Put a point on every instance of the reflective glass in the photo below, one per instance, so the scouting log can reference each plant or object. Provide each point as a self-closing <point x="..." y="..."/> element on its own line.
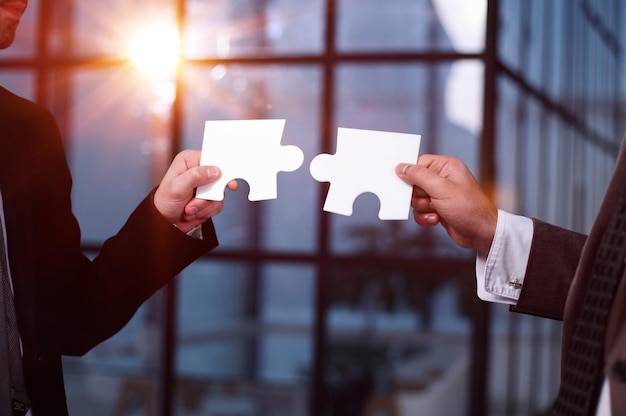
<point x="364" y="25"/>
<point x="287" y="299"/>
<point x="398" y="343"/>
<point x="110" y="28"/>
<point x="254" y="92"/>
<point x="212" y="319"/>
<point x="232" y="357"/>
<point x="230" y="28"/>
<point x="21" y="83"/>
<point x="112" y="126"/>
<point x="398" y="332"/>
<point x="404" y="99"/>
<point x="120" y="374"/>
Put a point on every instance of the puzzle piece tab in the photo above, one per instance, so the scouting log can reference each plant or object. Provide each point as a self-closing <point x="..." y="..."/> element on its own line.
<point x="365" y="161"/>
<point x="248" y="150"/>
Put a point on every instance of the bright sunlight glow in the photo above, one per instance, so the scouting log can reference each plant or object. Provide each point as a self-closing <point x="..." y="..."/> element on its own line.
<point x="155" y="51"/>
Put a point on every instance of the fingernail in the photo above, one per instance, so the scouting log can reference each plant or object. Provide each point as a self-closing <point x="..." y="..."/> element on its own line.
<point x="405" y="168"/>
<point x="212" y="172"/>
<point x="431" y="218"/>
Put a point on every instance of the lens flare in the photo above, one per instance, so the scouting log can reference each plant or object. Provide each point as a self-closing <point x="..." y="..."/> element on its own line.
<point x="155" y="51"/>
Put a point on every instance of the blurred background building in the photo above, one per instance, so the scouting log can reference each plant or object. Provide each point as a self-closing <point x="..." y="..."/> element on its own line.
<point x="301" y="312"/>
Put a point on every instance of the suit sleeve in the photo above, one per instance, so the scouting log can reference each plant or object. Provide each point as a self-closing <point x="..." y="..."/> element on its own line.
<point x="554" y="256"/>
<point x="80" y="302"/>
<point x="145" y="255"/>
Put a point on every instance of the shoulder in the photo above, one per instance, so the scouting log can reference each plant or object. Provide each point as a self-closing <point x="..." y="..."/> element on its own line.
<point x="19" y="113"/>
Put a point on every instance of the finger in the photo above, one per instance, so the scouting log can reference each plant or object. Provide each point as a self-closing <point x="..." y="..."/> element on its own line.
<point x="182" y="162"/>
<point x="419" y="192"/>
<point x="423" y="205"/>
<point x="185" y="183"/>
<point x="426" y="219"/>
<point x="426" y="160"/>
<point x="233" y="185"/>
<point x="420" y="177"/>
<point x="196" y="206"/>
<point x="202" y="211"/>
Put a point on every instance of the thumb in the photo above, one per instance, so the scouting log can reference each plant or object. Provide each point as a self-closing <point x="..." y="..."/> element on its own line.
<point x="201" y="175"/>
<point x="421" y="177"/>
<point x="181" y="186"/>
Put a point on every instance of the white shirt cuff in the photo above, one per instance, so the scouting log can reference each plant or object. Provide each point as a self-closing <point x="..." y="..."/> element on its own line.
<point x="196" y="232"/>
<point x="500" y="274"/>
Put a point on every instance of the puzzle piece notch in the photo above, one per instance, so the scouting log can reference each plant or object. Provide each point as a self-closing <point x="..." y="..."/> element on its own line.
<point x="249" y="150"/>
<point x="365" y="161"/>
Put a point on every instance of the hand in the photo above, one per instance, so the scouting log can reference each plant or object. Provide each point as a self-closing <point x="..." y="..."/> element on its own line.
<point x="175" y="197"/>
<point x="446" y="192"/>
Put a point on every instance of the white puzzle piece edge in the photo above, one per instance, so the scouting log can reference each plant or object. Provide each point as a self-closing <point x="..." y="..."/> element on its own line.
<point x="248" y="150"/>
<point x="365" y="161"/>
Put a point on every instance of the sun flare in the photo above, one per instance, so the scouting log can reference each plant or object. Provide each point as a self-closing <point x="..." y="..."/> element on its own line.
<point x="155" y="51"/>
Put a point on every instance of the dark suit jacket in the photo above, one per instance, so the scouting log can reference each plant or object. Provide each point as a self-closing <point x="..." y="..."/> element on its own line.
<point x="66" y="304"/>
<point x="558" y="271"/>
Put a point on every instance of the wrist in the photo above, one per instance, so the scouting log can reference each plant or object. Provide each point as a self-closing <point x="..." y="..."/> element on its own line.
<point x="487" y="232"/>
<point x="188" y="227"/>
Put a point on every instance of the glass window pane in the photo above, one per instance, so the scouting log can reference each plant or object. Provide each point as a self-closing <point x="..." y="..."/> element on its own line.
<point x="252" y="92"/>
<point x="21" y="83"/>
<point x="119" y="374"/>
<point x="211" y="319"/>
<point x="398" y="339"/>
<point x="399" y="306"/>
<point x="111" y="126"/>
<point x="287" y="310"/>
<point x="108" y="28"/>
<point x="230" y="28"/>
<point x="510" y="32"/>
<point x="237" y="357"/>
<point x="404" y="99"/>
<point x="427" y="25"/>
<point x="375" y="97"/>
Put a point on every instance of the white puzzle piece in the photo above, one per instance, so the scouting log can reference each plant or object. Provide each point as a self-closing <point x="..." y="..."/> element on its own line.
<point x="365" y="161"/>
<point x="248" y="150"/>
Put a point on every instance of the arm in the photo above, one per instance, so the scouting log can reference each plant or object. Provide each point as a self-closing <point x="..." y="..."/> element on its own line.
<point x="446" y="192"/>
<point x="540" y="257"/>
<point x="65" y="300"/>
<point x="554" y="256"/>
<point x="500" y="273"/>
<point x="89" y="301"/>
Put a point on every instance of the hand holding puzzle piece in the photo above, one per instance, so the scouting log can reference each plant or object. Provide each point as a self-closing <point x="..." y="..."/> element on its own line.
<point x="248" y="150"/>
<point x="365" y="161"/>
